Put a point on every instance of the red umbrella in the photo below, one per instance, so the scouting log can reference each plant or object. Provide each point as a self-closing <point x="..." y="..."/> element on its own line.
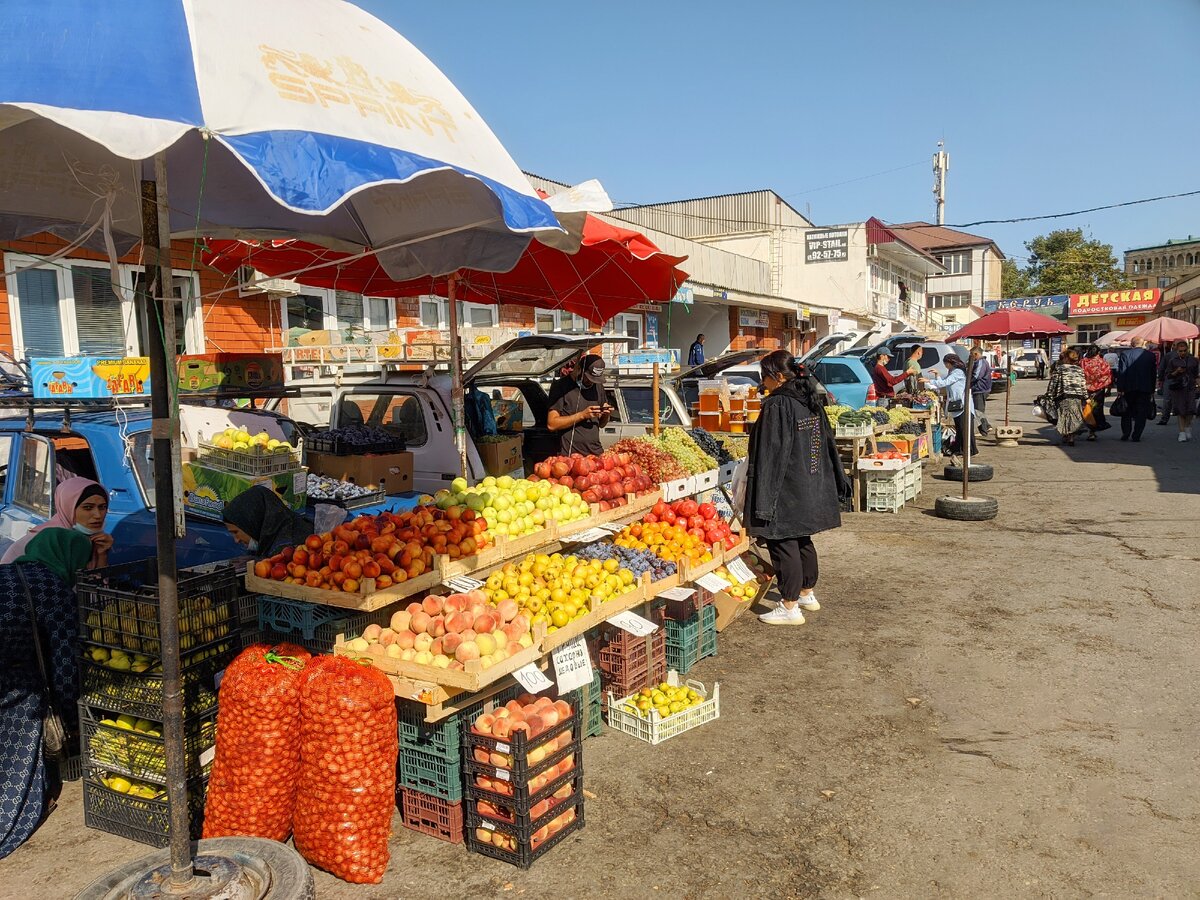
<point x="614" y="269"/>
<point x="1159" y="331"/>
<point x="1010" y="323"/>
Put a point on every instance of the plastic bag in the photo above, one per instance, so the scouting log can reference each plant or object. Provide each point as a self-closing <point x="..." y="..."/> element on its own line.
<point x="252" y="788"/>
<point x="349" y="743"/>
<point x="737" y="487"/>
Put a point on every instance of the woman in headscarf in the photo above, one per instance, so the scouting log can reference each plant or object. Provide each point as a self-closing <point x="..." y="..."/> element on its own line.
<point x="263" y="524"/>
<point x="37" y="604"/>
<point x="794" y="482"/>
<point x="80" y="504"/>
<point x="1068" y="389"/>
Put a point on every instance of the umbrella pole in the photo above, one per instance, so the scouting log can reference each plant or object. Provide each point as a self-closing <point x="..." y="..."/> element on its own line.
<point x="457" y="412"/>
<point x="156" y="247"/>
<point x="969" y="421"/>
<point x="1008" y="375"/>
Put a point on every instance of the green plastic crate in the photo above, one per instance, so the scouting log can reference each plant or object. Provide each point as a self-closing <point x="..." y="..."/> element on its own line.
<point x="431" y="773"/>
<point x="691" y="641"/>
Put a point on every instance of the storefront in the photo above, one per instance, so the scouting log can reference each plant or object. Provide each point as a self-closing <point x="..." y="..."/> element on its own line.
<point x="1094" y="315"/>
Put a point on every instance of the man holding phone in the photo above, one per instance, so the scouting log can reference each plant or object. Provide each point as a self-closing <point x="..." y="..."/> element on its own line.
<point x="578" y="408"/>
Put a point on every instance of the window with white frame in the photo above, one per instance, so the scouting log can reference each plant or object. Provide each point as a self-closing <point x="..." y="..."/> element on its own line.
<point x="1090" y="333"/>
<point x="949" y="301"/>
<point x="71" y="308"/>
<point x="957" y="263"/>
<point x="435" y="313"/>
<point x="353" y="316"/>
<point x="559" y="320"/>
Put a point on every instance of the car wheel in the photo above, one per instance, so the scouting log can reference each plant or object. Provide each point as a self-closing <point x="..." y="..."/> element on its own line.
<point x="973" y="509"/>
<point x="978" y="472"/>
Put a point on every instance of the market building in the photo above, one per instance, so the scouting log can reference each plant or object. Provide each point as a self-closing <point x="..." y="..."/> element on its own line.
<point x="971" y="272"/>
<point x="1162" y="265"/>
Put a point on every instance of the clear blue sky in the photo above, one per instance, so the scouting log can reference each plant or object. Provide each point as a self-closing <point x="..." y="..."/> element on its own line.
<point x="1045" y="106"/>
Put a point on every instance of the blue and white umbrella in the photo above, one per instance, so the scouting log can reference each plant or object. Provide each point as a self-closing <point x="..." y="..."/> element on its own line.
<point x="309" y="119"/>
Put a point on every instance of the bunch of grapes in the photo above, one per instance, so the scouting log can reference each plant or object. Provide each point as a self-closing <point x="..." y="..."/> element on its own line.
<point x="880" y="415"/>
<point x="914" y="428"/>
<point x="658" y="464"/>
<point x="834" y="412"/>
<point x="736" y="445"/>
<point x="639" y="562"/>
<point x="710" y="445"/>
<point x="899" y="415"/>
<point x="680" y="445"/>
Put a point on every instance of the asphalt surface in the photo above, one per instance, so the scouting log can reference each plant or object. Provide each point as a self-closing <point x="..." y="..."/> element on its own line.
<point x="1001" y="709"/>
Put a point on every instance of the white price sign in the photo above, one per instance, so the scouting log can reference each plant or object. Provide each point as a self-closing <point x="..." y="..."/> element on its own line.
<point x="740" y="571"/>
<point x="532" y="678"/>
<point x="633" y="623"/>
<point x="462" y="584"/>
<point x="679" y="593"/>
<point x="713" y="582"/>
<point x="208" y="756"/>
<point x="572" y="665"/>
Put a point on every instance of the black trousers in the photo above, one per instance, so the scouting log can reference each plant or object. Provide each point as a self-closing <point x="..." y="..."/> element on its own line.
<point x="1133" y="422"/>
<point x="795" y="562"/>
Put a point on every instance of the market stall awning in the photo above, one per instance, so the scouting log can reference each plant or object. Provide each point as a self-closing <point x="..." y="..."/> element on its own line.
<point x="614" y="269"/>
<point x="1011" y="323"/>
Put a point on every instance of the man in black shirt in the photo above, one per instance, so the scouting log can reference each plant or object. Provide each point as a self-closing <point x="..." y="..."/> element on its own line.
<point x="578" y="408"/>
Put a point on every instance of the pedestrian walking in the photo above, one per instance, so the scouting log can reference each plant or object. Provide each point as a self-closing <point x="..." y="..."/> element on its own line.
<point x="1182" y="374"/>
<point x="1067" y="390"/>
<point x="1166" y="359"/>
<point x="981" y="386"/>
<point x="1098" y="375"/>
<point x="1136" y="378"/>
<point x="958" y="401"/>
<point x="696" y="351"/>
<point x="39" y="671"/>
<point x="794" y="482"/>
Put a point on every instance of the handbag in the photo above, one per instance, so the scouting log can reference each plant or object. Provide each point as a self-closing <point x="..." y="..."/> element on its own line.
<point x="955" y="407"/>
<point x="54" y="732"/>
<point x="1044" y="409"/>
<point x="1119" y="406"/>
<point x="1089" y="411"/>
<point x="737" y="486"/>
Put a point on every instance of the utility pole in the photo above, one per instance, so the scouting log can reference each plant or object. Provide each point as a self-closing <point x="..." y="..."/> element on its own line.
<point x="941" y="165"/>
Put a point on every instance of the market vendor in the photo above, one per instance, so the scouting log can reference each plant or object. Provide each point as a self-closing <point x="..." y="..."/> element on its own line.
<point x="263" y="523"/>
<point x="885" y="381"/>
<point x="578" y="408"/>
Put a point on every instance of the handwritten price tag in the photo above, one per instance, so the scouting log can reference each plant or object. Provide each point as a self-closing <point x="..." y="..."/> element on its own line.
<point x="208" y="756"/>
<point x="713" y="582"/>
<point x="633" y="623"/>
<point x="462" y="584"/>
<point x="678" y="593"/>
<point x="740" y="571"/>
<point x="572" y="665"/>
<point x="532" y="678"/>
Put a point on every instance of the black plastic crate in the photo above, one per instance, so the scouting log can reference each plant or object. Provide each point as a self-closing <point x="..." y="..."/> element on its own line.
<point x="118" y="607"/>
<point x="316" y="627"/>
<point x="324" y="442"/>
<point x="519" y="746"/>
<point x="138" y="754"/>
<point x="525" y="854"/>
<point x="141" y="694"/>
<point x="521" y="784"/>
<point x="138" y="819"/>
<point x="520" y="803"/>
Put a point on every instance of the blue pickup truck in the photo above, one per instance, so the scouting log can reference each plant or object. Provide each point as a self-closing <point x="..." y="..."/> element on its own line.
<point x="111" y="447"/>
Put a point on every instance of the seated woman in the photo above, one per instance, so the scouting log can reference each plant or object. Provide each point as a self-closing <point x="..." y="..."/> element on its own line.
<point x="80" y="504"/>
<point x="263" y="524"/>
<point x="39" y="646"/>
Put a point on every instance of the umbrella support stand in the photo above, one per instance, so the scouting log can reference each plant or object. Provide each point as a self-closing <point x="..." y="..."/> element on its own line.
<point x="1008" y="435"/>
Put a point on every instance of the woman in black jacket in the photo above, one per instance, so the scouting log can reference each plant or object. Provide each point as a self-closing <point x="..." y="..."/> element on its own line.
<point x="794" y="480"/>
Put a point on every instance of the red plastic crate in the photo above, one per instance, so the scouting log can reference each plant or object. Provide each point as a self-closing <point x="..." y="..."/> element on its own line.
<point x="431" y="815"/>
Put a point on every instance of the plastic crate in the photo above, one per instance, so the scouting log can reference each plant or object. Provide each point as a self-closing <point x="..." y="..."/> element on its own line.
<point x="314" y="626"/>
<point x="247" y="606"/>
<point x="854" y="431"/>
<point x="655" y="730"/>
<point x="71" y="769"/>
<point x="118" y="607"/>
<point x="624" y="659"/>
<point x="937" y="438"/>
<point x="691" y="641"/>
<point x="141" y="694"/>
<point x="255" y="463"/>
<point x="431" y="773"/>
<point x="140" y="755"/>
<point x="587" y="698"/>
<point x="136" y="818"/>
<point x="682" y="610"/>
<point x="370" y="498"/>
<point x="885" y="491"/>
<point x="528" y="848"/>
<point x="431" y="815"/>
<point x="518" y="749"/>
<point x="324" y="442"/>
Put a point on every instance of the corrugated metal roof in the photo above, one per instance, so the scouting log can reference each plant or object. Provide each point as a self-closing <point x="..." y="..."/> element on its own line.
<point x="720" y="215"/>
<point x="938" y="237"/>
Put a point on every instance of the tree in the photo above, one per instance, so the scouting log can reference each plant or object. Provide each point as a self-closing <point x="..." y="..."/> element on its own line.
<point x="1014" y="281"/>
<point x="1066" y="262"/>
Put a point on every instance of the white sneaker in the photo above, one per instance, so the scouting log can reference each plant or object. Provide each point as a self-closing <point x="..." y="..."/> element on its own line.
<point x="1183" y="437"/>
<point x="809" y="603"/>
<point x="781" y="615"/>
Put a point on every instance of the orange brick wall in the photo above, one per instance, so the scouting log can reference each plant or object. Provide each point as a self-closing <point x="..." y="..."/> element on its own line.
<point x="771" y="338"/>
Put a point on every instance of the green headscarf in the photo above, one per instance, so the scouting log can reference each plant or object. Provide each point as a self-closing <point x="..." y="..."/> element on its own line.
<point x="60" y="550"/>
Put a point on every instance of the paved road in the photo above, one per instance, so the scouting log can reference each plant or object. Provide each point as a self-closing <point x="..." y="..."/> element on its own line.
<point x="987" y="710"/>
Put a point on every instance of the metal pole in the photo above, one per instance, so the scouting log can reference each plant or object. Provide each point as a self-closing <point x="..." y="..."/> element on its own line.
<point x="654" y="399"/>
<point x="1009" y="385"/>
<point x="969" y="421"/>
<point x="156" y="247"/>
<point x="457" y="411"/>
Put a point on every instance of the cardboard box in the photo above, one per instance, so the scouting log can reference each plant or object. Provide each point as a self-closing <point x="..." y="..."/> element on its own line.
<point x="393" y="470"/>
<point x="501" y="457"/>
<point x="206" y="490"/>
<point x="212" y="372"/>
<point x="90" y="378"/>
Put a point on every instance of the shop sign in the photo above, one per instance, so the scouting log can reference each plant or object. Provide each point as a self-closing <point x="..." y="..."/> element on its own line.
<point x="683" y="295"/>
<point x="753" y="318"/>
<point x="1053" y="305"/>
<point x="827" y="245"/>
<point x="90" y="378"/>
<point x="651" y="330"/>
<point x="1130" y="321"/>
<point x="1104" y="303"/>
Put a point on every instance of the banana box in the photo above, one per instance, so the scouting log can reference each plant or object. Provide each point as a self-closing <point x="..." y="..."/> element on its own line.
<point x="207" y="490"/>
<point x="90" y="378"/>
<point x="212" y="372"/>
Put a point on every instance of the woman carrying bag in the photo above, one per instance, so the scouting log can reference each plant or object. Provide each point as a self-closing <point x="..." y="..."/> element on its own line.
<point x="1067" y="390"/>
<point x="958" y="400"/>
<point x="39" y="676"/>
<point x="1098" y="377"/>
<point x="794" y="482"/>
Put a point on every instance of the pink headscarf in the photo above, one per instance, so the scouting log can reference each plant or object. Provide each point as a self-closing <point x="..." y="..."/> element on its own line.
<point x="66" y="498"/>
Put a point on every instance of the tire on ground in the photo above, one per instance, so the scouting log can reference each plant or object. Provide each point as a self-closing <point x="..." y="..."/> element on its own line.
<point x="974" y="509"/>
<point x="979" y="472"/>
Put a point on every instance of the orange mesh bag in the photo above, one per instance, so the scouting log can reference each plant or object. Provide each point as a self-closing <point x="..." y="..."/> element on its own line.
<point x="252" y="788"/>
<point x="349" y="741"/>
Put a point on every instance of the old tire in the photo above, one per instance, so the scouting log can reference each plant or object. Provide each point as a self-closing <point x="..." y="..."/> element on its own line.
<point x="978" y="472"/>
<point x="271" y="863"/>
<point x="974" y="509"/>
